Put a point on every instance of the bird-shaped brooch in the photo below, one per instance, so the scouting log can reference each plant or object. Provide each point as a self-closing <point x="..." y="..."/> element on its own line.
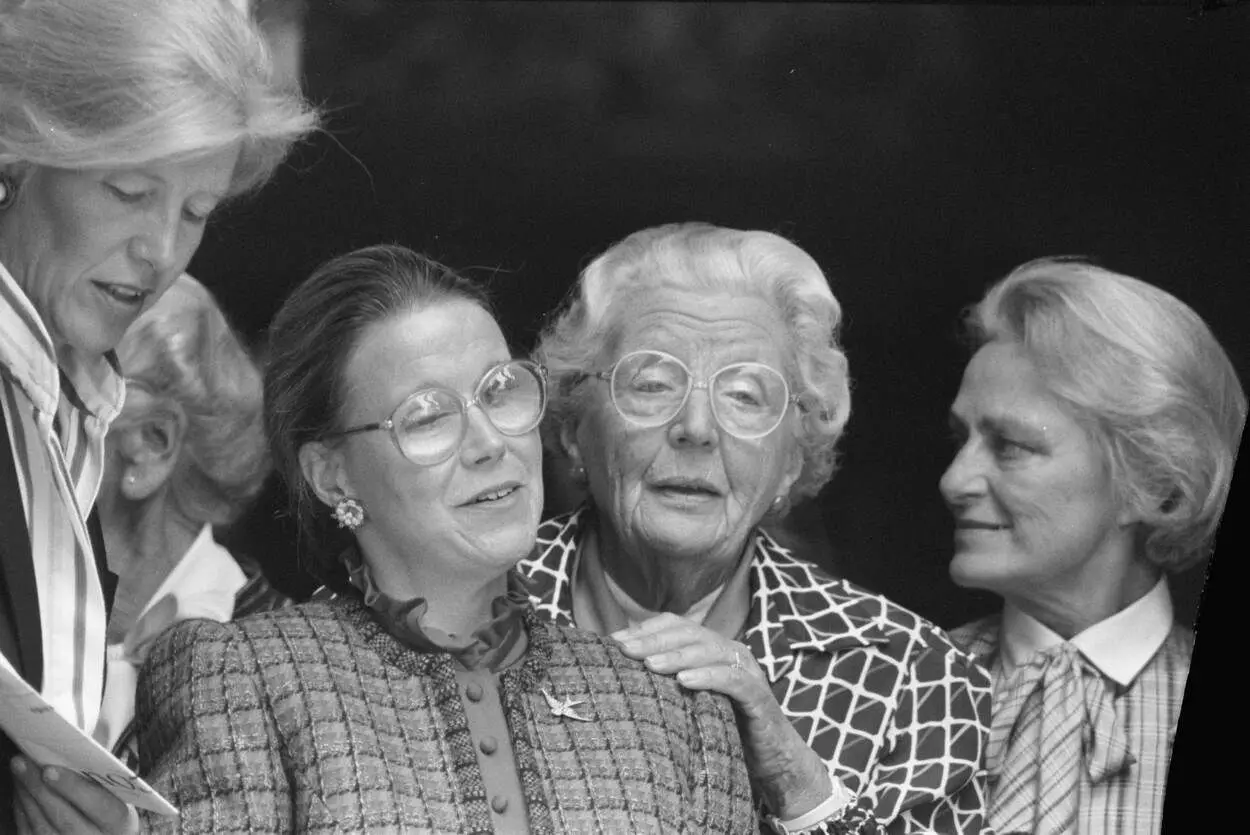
<point x="563" y="707"/>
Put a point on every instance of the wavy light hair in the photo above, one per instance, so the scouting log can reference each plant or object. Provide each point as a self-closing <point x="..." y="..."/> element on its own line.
<point x="126" y="83"/>
<point x="1146" y="377"/>
<point x="701" y="257"/>
<point x="185" y="354"/>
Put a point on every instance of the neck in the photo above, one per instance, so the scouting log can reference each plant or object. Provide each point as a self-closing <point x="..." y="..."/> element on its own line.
<point x="659" y="581"/>
<point x="149" y="538"/>
<point x="1070" y="611"/>
<point x="457" y="604"/>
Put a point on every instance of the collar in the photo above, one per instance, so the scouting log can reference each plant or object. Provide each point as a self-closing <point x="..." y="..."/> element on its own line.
<point x="1120" y="646"/>
<point x="794" y="605"/>
<point x="93" y="385"/>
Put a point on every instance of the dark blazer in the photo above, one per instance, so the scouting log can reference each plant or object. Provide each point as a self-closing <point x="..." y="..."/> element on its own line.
<point x="21" y="638"/>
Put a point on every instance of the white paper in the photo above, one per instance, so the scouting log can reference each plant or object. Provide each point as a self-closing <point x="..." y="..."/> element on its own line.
<point x="48" y="739"/>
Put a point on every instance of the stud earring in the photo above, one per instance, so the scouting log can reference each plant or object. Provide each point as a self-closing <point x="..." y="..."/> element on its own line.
<point x="8" y="190"/>
<point x="578" y="474"/>
<point x="349" y="513"/>
<point x="779" y="504"/>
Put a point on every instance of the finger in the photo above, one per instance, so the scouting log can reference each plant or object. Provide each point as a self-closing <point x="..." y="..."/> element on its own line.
<point x="700" y="654"/>
<point x="657" y="623"/>
<point x="751" y="693"/>
<point x="677" y="634"/>
<point x="83" y="802"/>
<point x="26" y="812"/>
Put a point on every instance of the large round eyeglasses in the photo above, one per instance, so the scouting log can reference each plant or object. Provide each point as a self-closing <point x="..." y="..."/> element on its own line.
<point x="650" y="388"/>
<point x="430" y="423"/>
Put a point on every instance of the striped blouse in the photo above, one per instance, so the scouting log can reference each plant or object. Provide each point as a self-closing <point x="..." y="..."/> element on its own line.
<point x="1144" y="656"/>
<point x="57" y="417"/>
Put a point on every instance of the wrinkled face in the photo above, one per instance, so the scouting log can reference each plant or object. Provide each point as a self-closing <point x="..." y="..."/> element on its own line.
<point x="93" y="248"/>
<point x="1035" y="509"/>
<point x="688" y="489"/>
<point x="436" y="514"/>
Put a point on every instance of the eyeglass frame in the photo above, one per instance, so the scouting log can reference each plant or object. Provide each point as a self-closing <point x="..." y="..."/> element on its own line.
<point x="695" y="384"/>
<point x="389" y="425"/>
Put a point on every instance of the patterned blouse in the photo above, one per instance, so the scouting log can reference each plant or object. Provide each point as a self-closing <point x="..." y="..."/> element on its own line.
<point x="1142" y="656"/>
<point x="314" y="719"/>
<point x="900" y="712"/>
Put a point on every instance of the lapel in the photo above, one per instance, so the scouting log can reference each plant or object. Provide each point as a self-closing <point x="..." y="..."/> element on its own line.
<point x="796" y="607"/>
<point x="21" y="638"/>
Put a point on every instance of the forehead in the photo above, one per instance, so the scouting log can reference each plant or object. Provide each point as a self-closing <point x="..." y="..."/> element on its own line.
<point x="722" y="324"/>
<point x="1002" y="381"/>
<point x="446" y="344"/>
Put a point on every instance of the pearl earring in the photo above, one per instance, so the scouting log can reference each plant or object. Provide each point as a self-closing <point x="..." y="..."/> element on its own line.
<point x="349" y="513"/>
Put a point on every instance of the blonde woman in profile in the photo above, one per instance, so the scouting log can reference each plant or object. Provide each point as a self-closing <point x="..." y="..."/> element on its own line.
<point x="1099" y="422"/>
<point x="186" y="455"/>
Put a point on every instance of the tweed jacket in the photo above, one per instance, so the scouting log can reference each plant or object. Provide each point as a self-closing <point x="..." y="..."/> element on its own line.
<point x="314" y="719"/>
<point x="900" y="712"/>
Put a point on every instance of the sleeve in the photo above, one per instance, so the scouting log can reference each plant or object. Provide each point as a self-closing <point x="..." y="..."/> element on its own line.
<point x="721" y="796"/>
<point x="932" y="779"/>
<point x="208" y="740"/>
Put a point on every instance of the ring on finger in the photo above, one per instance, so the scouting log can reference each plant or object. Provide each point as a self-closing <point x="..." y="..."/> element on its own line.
<point x="737" y="666"/>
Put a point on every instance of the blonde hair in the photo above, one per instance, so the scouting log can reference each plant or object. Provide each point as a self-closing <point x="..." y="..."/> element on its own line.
<point x="123" y="83"/>
<point x="1146" y="376"/>
<point x="184" y="352"/>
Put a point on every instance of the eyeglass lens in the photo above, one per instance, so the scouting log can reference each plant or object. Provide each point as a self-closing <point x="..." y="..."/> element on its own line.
<point x="748" y="399"/>
<point x="430" y="423"/>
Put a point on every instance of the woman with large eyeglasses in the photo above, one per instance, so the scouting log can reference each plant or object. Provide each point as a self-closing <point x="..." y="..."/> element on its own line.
<point x="698" y="390"/>
<point x="425" y="695"/>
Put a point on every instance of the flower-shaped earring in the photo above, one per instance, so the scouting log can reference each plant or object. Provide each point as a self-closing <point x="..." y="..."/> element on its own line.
<point x="349" y="513"/>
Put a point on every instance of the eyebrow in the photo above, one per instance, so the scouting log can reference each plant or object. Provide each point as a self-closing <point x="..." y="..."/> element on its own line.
<point x="998" y="423"/>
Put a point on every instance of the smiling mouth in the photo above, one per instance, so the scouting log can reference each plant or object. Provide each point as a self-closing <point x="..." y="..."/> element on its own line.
<point x="492" y="495"/>
<point x="122" y="293"/>
<point x="966" y="525"/>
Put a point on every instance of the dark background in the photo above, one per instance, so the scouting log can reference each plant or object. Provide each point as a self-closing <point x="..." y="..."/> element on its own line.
<point x="918" y="153"/>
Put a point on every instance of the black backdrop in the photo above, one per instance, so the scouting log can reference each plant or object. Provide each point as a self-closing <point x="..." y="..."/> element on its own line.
<point x="917" y="153"/>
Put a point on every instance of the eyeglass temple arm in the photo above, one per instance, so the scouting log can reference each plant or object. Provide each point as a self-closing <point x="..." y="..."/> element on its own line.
<point x="364" y="427"/>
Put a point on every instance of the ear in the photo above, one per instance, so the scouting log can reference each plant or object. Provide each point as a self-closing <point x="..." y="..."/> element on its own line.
<point x="568" y="442"/>
<point x="322" y="466"/>
<point x="149" y="450"/>
<point x="794" y="469"/>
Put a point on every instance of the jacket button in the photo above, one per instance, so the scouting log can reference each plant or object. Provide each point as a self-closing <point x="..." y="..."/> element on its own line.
<point x="499" y="803"/>
<point x="474" y="692"/>
<point x="489" y="745"/>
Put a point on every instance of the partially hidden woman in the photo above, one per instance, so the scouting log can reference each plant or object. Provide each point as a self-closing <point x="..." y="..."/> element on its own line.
<point x="1099" y="421"/>
<point x="187" y="455"/>
<point x="124" y="125"/>
<point x="699" y="389"/>
<point x="425" y="695"/>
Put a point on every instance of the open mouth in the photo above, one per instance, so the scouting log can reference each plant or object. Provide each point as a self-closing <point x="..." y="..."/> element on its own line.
<point x="494" y="495"/>
<point x="124" y="294"/>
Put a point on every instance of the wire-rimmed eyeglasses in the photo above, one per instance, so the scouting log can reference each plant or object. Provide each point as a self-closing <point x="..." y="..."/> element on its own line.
<point x="428" y="426"/>
<point x="650" y="388"/>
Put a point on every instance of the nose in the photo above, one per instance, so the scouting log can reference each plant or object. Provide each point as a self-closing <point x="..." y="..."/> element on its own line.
<point x="157" y="245"/>
<point x="695" y="425"/>
<point x="964" y="477"/>
<point x="483" y="443"/>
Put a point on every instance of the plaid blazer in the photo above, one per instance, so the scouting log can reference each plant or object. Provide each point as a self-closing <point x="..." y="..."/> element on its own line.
<point x="885" y="696"/>
<point x="314" y="719"/>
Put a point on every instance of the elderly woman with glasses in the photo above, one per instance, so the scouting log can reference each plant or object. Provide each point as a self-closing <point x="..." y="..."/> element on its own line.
<point x="1099" y="420"/>
<point x="698" y="390"/>
<point x="425" y="695"/>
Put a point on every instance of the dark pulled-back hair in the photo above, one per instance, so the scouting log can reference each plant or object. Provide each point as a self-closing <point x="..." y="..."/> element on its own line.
<point x="312" y="339"/>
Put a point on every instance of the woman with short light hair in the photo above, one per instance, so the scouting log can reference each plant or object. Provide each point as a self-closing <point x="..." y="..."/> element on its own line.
<point x="1099" y="421"/>
<point x="699" y="390"/>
